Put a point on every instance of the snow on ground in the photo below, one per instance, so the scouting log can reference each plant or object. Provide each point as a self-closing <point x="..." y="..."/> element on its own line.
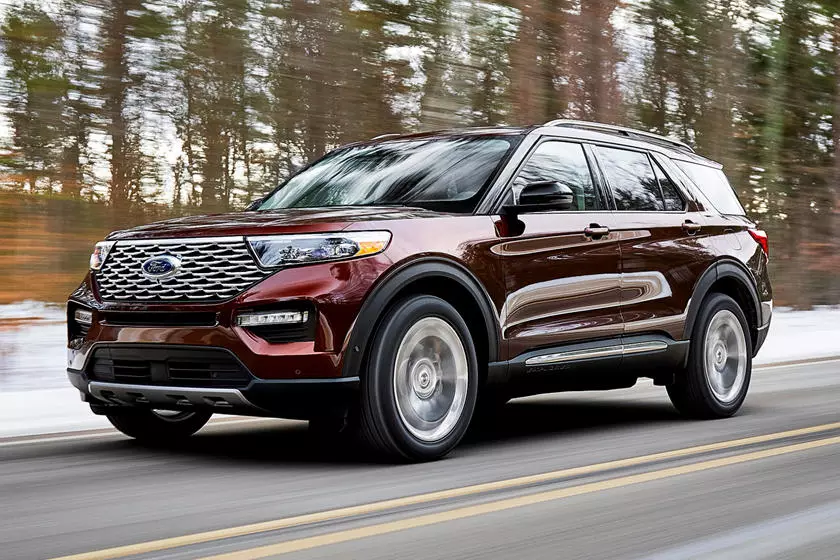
<point x="36" y="398"/>
<point x="799" y="335"/>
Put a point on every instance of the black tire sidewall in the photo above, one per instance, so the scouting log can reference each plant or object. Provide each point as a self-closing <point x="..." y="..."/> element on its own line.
<point x="714" y="304"/>
<point x="378" y="381"/>
<point x="147" y="426"/>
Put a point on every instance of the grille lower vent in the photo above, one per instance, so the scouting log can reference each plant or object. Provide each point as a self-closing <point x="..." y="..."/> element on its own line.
<point x="173" y="367"/>
<point x="211" y="270"/>
<point x="276" y="334"/>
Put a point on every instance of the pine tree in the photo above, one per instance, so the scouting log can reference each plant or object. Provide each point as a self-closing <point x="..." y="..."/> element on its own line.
<point x="33" y="45"/>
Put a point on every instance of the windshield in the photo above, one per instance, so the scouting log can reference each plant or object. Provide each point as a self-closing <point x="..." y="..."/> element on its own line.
<point x="446" y="174"/>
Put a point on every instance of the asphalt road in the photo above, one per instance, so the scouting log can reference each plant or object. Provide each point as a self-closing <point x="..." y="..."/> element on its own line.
<point x="606" y="475"/>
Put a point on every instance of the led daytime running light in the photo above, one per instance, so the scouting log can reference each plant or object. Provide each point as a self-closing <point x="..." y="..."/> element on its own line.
<point x="83" y="316"/>
<point x="272" y="318"/>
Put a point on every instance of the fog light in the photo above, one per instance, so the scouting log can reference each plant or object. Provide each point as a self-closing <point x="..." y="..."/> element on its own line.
<point x="83" y="316"/>
<point x="272" y="318"/>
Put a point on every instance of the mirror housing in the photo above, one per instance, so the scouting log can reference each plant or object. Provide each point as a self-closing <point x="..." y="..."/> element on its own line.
<point x="254" y="204"/>
<point x="541" y="196"/>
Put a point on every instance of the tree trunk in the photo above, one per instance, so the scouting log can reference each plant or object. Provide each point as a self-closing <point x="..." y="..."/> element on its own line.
<point x="115" y="90"/>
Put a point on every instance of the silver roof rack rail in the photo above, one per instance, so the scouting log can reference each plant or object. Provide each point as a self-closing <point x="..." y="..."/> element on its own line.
<point x="623" y="131"/>
<point x="382" y="136"/>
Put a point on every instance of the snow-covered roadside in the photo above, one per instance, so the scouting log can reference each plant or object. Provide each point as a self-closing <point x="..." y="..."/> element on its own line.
<point x="801" y="335"/>
<point x="35" y="397"/>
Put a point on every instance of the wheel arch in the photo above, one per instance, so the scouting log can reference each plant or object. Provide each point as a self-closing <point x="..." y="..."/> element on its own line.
<point x="733" y="279"/>
<point x="437" y="276"/>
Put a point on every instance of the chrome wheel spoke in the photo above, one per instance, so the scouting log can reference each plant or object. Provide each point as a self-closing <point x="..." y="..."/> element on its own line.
<point x="725" y="356"/>
<point x="430" y="379"/>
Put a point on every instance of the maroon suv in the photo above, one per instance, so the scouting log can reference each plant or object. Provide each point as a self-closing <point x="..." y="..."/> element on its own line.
<point x="394" y="287"/>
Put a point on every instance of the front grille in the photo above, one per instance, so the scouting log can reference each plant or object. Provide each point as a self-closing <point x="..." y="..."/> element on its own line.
<point x="212" y="269"/>
<point x="168" y="366"/>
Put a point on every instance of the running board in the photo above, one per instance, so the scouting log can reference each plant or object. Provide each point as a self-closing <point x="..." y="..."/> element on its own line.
<point x="612" y="351"/>
<point x="600" y="364"/>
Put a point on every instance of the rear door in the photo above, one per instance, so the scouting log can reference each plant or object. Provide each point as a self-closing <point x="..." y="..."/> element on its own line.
<point x="663" y="245"/>
<point x="562" y="268"/>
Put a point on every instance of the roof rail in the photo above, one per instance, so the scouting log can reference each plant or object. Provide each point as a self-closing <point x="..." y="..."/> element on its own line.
<point x="389" y="135"/>
<point x="623" y="131"/>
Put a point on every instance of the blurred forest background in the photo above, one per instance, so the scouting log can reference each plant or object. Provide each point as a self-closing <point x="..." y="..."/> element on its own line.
<point x="117" y="112"/>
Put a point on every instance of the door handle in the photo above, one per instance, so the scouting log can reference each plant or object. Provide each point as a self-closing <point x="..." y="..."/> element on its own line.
<point x="691" y="227"/>
<point x="595" y="230"/>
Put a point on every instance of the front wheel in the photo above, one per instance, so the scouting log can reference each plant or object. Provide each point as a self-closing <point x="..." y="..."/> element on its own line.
<point x="715" y="383"/>
<point x="159" y="426"/>
<point x="420" y="384"/>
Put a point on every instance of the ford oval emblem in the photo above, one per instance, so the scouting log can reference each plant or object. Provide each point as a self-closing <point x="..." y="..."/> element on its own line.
<point x="161" y="267"/>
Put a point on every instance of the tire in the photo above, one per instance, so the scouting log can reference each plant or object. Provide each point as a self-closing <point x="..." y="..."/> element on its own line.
<point x="150" y="426"/>
<point x="420" y="382"/>
<point x="717" y="377"/>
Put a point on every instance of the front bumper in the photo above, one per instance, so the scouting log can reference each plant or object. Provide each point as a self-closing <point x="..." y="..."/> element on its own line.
<point x="295" y="398"/>
<point x="333" y="292"/>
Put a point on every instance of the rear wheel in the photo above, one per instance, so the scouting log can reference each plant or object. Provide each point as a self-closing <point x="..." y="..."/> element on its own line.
<point x="420" y="384"/>
<point x="159" y="426"/>
<point x="715" y="383"/>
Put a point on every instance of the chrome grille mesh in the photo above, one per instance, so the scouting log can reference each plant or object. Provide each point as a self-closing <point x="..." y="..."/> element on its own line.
<point x="212" y="269"/>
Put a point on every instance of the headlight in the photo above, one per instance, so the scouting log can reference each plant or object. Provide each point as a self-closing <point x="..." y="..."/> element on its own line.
<point x="279" y="250"/>
<point x="100" y="253"/>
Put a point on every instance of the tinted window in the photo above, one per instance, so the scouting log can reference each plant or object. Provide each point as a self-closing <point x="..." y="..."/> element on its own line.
<point x="715" y="186"/>
<point x="565" y="163"/>
<point x="444" y="173"/>
<point x="631" y="179"/>
<point x="673" y="200"/>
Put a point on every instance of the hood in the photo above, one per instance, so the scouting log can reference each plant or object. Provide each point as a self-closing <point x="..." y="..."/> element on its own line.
<point x="292" y="220"/>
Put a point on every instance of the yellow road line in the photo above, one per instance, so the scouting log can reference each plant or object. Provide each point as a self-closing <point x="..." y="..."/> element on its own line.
<point x="298" y="545"/>
<point x="418" y="499"/>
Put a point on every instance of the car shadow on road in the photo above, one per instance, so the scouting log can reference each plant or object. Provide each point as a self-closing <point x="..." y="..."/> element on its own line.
<point x="549" y="419"/>
<point x="553" y="416"/>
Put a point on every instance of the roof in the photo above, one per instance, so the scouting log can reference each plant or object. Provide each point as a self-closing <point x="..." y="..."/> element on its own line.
<point x="673" y="148"/>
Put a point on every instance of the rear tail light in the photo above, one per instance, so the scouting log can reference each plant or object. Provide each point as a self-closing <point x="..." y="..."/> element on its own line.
<point x="760" y="237"/>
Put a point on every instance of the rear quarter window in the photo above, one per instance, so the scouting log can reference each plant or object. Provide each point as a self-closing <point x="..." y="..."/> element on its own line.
<point x="715" y="186"/>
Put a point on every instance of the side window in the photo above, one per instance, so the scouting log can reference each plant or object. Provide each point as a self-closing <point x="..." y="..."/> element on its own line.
<point x="673" y="200"/>
<point x="714" y="186"/>
<point x="632" y="180"/>
<point x="565" y="163"/>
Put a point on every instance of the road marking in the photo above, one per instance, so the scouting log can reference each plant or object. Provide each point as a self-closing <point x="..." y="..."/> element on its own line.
<point x="796" y="363"/>
<point x="337" y="537"/>
<point x="108" y="432"/>
<point x="418" y="499"/>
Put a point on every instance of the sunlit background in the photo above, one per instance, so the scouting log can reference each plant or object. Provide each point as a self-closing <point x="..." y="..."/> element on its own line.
<point x="125" y="111"/>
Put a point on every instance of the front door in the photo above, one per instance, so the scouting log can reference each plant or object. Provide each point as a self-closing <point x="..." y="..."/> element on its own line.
<point x="562" y="270"/>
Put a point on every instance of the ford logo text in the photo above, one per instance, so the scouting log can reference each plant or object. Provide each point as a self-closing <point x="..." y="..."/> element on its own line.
<point x="161" y="267"/>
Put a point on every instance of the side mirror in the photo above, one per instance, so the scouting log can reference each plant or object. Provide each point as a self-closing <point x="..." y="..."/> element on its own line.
<point x="254" y="204"/>
<point x="543" y="195"/>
